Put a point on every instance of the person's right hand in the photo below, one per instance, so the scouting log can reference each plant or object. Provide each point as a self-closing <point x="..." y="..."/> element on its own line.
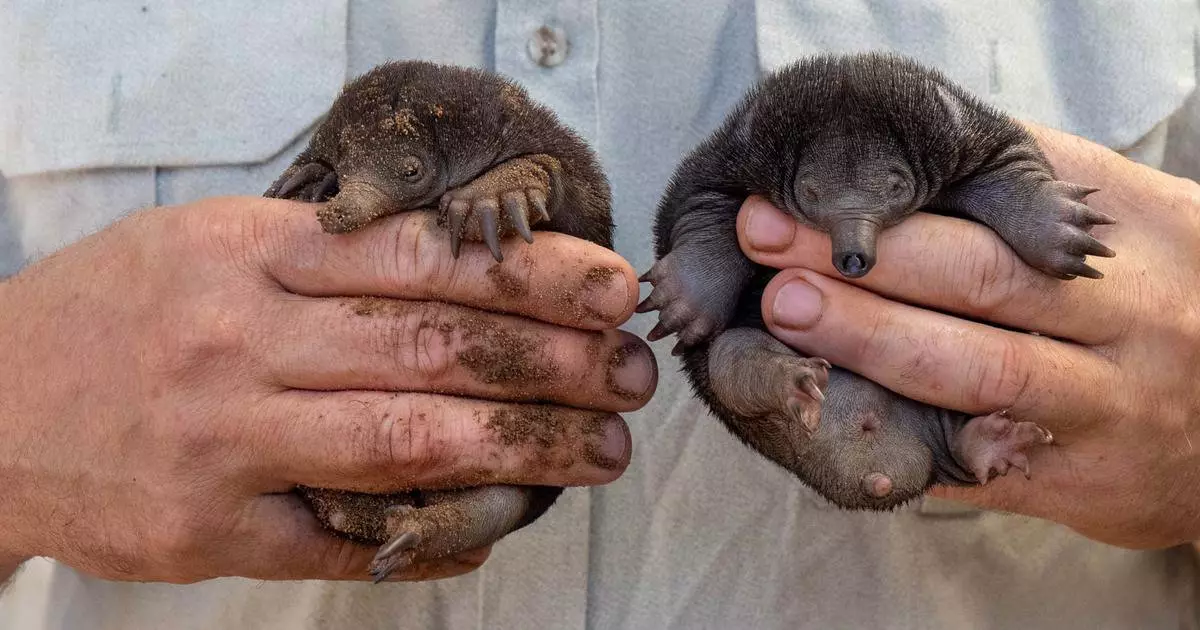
<point x="166" y="382"/>
<point x="1113" y="373"/>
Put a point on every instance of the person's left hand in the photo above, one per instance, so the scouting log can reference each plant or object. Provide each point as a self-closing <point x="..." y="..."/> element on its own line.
<point x="1114" y="375"/>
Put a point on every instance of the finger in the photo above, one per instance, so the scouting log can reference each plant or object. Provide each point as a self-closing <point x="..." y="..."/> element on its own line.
<point x="279" y="538"/>
<point x="384" y="344"/>
<point x="380" y="442"/>
<point x="939" y="359"/>
<point x="956" y="266"/>
<point x="557" y="278"/>
<point x="1057" y="476"/>
<point x="1061" y="476"/>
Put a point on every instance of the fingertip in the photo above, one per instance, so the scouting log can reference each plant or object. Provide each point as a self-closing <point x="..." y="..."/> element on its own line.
<point x="581" y="284"/>
<point x="626" y="291"/>
<point x="777" y="282"/>
<point x="793" y="300"/>
<point x="631" y="372"/>
<point x="599" y="458"/>
<point x="596" y="451"/>
<point x="617" y="450"/>
<point x="771" y="237"/>
<point x="763" y="229"/>
<point x="825" y="317"/>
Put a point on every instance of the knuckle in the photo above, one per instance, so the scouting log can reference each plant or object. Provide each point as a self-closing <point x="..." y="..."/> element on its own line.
<point x="989" y="275"/>
<point x="1187" y="318"/>
<point x="430" y="335"/>
<point x="553" y="362"/>
<point x="430" y="355"/>
<point x="918" y="369"/>
<point x="212" y="331"/>
<point x="878" y="342"/>
<point x="416" y="256"/>
<point x="372" y="440"/>
<point x="229" y="230"/>
<point x="414" y="440"/>
<point x="997" y="373"/>
<point x="417" y="342"/>
<point x="194" y="336"/>
<point x="280" y="240"/>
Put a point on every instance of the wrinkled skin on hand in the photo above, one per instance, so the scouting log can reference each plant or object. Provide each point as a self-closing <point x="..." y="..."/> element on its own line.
<point x="400" y="138"/>
<point x="852" y="145"/>
<point x="1112" y="372"/>
<point x="167" y="381"/>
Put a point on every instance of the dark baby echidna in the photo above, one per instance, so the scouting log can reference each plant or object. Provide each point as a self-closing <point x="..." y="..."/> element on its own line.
<point x="472" y="146"/>
<point x="850" y="145"/>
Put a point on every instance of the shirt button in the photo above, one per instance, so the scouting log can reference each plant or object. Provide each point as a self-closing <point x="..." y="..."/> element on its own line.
<point x="548" y="46"/>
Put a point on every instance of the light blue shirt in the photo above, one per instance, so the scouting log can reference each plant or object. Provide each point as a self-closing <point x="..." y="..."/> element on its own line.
<point x="110" y="106"/>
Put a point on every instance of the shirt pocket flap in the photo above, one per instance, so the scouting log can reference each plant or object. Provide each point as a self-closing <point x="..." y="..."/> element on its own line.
<point x="1106" y="71"/>
<point x="164" y="84"/>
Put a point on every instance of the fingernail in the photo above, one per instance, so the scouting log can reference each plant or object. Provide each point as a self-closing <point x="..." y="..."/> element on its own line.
<point x="608" y="293"/>
<point x="797" y="305"/>
<point x="611" y="451"/>
<point x="632" y="370"/>
<point x="616" y="443"/>
<point x="768" y="229"/>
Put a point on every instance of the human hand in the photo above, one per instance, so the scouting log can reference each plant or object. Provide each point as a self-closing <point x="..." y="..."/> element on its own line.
<point x="1113" y="374"/>
<point x="166" y="382"/>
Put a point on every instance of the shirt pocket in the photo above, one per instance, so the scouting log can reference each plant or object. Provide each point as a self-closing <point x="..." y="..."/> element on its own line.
<point x="128" y="84"/>
<point x="1109" y="72"/>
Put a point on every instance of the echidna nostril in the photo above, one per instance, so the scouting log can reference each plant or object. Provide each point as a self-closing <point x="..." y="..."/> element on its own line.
<point x="852" y="265"/>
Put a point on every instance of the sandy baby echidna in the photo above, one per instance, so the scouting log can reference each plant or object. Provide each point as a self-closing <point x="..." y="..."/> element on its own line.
<point x="471" y="145"/>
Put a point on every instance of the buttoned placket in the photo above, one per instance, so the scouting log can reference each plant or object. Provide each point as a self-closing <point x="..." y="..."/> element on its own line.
<point x="552" y="49"/>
